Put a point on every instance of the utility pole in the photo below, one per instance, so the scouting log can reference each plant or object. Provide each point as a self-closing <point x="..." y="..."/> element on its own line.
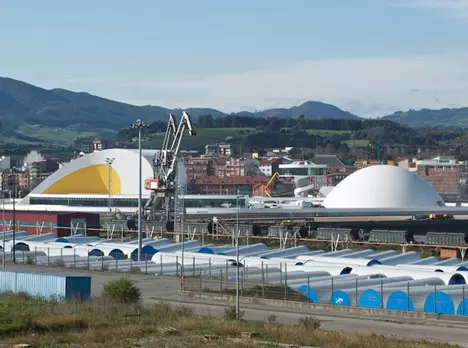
<point x="181" y="226"/>
<point x="3" y="229"/>
<point x="237" y="260"/>
<point x="109" y="162"/>
<point x="14" y="217"/>
<point x="139" y="125"/>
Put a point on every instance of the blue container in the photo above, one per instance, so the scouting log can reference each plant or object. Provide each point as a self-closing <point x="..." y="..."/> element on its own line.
<point x="370" y="298"/>
<point x="400" y="301"/>
<point x="147" y="253"/>
<point x="463" y="307"/>
<point x="46" y="285"/>
<point x="439" y="302"/>
<point x="340" y="298"/>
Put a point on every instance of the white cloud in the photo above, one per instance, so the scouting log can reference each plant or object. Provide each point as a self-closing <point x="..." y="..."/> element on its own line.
<point x="366" y="86"/>
<point x="456" y="8"/>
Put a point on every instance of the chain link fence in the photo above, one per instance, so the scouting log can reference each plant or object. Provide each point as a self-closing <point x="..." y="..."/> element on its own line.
<point x="212" y="276"/>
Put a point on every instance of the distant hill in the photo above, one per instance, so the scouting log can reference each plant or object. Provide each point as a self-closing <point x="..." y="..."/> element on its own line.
<point x="310" y="109"/>
<point x="424" y="118"/>
<point x="23" y="105"/>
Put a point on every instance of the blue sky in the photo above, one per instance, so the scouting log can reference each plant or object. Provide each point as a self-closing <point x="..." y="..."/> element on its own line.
<point x="370" y="57"/>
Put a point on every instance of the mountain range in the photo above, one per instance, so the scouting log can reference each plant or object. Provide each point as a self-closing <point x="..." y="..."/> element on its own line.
<point x="426" y="118"/>
<point x="23" y="104"/>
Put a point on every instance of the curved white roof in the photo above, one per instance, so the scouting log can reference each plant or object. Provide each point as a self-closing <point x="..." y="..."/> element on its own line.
<point x="89" y="174"/>
<point x="383" y="186"/>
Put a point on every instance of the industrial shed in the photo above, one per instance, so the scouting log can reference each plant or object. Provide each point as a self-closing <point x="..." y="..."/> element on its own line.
<point x="62" y="224"/>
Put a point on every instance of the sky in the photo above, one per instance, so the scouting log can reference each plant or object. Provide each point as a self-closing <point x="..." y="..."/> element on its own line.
<point x="369" y="57"/>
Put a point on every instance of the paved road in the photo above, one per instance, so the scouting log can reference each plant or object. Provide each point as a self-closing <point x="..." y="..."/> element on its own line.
<point x="453" y="335"/>
<point x="166" y="289"/>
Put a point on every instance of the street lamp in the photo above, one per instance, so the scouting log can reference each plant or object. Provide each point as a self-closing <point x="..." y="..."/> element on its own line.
<point x="4" y="225"/>
<point x="139" y="124"/>
<point x="3" y="229"/>
<point x="14" y="213"/>
<point x="181" y="213"/>
<point x="237" y="258"/>
<point x="109" y="162"/>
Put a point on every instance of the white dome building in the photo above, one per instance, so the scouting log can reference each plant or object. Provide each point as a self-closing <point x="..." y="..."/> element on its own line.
<point x="384" y="187"/>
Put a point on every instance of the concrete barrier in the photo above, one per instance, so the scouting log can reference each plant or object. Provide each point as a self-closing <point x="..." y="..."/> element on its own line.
<point x="381" y="313"/>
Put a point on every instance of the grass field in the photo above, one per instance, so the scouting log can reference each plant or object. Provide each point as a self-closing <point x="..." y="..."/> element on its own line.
<point x="357" y="142"/>
<point x="53" y="135"/>
<point x="326" y="132"/>
<point x="204" y="136"/>
<point x="103" y="323"/>
<point x="15" y="141"/>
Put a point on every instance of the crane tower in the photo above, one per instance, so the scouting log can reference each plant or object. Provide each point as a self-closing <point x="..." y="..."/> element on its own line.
<point x="163" y="185"/>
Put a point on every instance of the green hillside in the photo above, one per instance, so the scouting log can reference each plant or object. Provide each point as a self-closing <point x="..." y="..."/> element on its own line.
<point x="427" y="118"/>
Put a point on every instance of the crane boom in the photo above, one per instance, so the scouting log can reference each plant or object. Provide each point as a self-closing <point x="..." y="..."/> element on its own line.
<point x="165" y="167"/>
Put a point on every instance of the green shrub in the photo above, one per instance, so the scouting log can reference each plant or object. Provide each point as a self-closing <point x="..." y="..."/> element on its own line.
<point x="272" y="319"/>
<point x="230" y="313"/>
<point x="122" y="291"/>
<point x="309" y="323"/>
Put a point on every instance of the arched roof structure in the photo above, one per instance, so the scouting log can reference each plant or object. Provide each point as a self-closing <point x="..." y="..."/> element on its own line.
<point x="89" y="174"/>
<point x="383" y="186"/>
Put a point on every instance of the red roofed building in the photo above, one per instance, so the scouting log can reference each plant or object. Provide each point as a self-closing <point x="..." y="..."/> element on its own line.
<point x="228" y="186"/>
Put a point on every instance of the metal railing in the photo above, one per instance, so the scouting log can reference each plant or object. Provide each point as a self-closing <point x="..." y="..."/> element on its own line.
<point x="210" y="276"/>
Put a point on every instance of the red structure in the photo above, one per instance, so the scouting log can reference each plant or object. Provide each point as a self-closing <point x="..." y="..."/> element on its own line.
<point x="61" y="223"/>
<point x="228" y="186"/>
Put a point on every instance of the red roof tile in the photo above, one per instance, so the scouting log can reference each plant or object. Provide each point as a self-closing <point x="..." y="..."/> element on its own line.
<point x="232" y="180"/>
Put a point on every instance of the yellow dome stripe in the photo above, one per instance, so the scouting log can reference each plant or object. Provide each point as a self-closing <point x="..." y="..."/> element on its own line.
<point x="92" y="179"/>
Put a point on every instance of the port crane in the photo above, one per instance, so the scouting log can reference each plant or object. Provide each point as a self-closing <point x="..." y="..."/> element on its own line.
<point x="163" y="185"/>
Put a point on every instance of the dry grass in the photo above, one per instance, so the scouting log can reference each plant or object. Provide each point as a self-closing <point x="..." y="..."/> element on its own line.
<point x="100" y="323"/>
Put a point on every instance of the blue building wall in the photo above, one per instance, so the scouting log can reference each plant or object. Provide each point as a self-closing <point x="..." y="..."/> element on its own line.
<point x="46" y="285"/>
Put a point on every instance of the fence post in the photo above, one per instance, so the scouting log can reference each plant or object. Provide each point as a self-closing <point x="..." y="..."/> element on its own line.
<point x="332" y="285"/>
<point x="357" y="293"/>
<point x="102" y="262"/>
<point x="263" y="282"/>
<point x="308" y="288"/>
<point x="117" y="264"/>
<point x="266" y="272"/>
<point x="381" y="294"/>
<point x="61" y="255"/>
<point x="193" y="269"/>
<point x="177" y="264"/>
<point x="241" y="286"/>
<point x="131" y="263"/>
<point x="87" y="259"/>
<point x="209" y="266"/>
<point x="146" y="266"/>
<point x="201" y="282"/>
<point x="74" y="258"/>
<point x="463" y="299"/>
<point x="285" y="282"/>
<point x="220" y="281"/>
<point x="48" y="257"/>
<point x="435" y="298"/>
<point x="160" y="263"/>
<point x="227" y="271"/>
<point x="35" y="255"/>
<point x="408" y="294"/>
<point x="281" y="273"/>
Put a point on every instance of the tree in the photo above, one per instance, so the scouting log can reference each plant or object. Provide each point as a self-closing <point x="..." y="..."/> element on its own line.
<point x="122" y="291"/>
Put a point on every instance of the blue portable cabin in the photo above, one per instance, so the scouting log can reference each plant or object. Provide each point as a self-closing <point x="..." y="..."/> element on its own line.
<point x="46" y="285"/>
